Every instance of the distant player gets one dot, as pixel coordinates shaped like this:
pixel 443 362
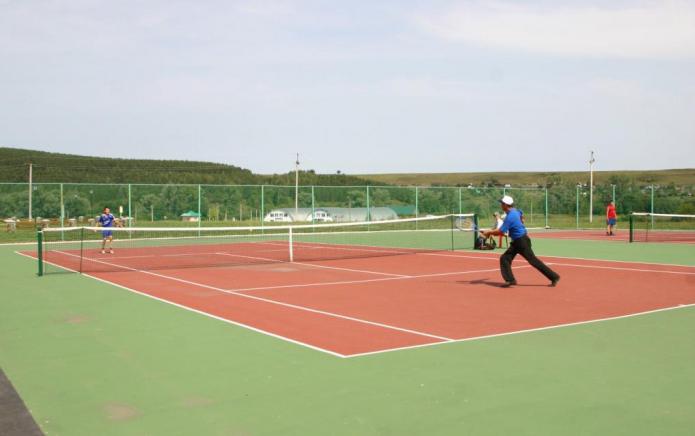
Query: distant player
pixel 611 218
pixel 106 220
pixel 521 244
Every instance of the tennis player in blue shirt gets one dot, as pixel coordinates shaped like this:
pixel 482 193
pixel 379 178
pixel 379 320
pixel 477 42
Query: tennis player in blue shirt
pixel 521 244
pixel 106 220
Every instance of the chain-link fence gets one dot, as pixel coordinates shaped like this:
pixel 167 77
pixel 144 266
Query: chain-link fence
pixel 560 206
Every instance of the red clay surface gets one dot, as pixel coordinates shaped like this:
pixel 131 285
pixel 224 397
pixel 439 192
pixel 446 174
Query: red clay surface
pixel 349 307
pixel 670 236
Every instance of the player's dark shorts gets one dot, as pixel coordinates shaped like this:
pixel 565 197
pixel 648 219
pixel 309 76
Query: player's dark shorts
pixel 106 234
pixel 611 221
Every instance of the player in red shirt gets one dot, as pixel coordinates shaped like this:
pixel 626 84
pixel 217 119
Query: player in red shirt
pixel 611 218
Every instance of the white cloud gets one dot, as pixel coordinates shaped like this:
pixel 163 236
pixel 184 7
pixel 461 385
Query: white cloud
pixel 656 29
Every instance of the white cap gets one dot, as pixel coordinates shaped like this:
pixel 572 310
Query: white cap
pixel 507 200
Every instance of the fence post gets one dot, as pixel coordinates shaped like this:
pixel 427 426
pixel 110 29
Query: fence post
pixel 369 214
pixel 417 213
pixel 62 213
pixel 200 215
pixel 313 206
pixel 130 206
pixel 262 205
pixel 546 208
pixel 460 203
pixel 577 206
pixel 652 208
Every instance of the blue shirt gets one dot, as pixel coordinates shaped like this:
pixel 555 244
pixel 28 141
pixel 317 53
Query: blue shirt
pixel 106 220
pixel 513 225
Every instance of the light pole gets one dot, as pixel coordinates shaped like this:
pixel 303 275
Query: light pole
pixel 591 188
pixel 296 186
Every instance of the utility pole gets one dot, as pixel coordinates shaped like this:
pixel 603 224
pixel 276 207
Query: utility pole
pixel 591 188
pixel 31 187
pixel 296 186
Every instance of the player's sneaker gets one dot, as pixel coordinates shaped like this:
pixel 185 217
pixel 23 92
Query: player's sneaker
pixel 103 251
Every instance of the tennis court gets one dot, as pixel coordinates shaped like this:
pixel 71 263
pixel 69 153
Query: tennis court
pixel 395 329
pixel 365 305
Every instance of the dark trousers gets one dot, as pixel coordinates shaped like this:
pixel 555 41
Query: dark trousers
pixel 522 246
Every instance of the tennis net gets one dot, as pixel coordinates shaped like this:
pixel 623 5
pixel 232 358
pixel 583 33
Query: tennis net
pixel 79 249
pixel 660 227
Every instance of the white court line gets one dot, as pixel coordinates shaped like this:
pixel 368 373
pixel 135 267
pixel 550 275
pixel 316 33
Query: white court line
pixel 147 256
pixel 265 259
pixel 309 285
pixel 353 270
pixel 617 268
pixel 656 265
pixel 551 327
pixel 200 312
pixel 316 266
pixel 323 245
pixel 380 351
pixel 351 282
pixel 279 303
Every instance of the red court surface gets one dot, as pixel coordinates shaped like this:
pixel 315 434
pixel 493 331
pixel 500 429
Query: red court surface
pixel 623 235
pixel 353 307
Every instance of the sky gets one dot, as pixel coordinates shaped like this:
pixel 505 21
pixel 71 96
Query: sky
pixel 393 86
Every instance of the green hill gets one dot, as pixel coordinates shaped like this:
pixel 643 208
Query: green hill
pixel 68 168
pixel 678 177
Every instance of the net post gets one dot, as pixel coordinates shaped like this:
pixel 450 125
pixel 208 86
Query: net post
pixel 289 234
pixel 632 228
pixel 39 253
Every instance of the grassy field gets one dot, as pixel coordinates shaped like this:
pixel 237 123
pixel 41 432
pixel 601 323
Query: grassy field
pixel 89 358
pixel 679 177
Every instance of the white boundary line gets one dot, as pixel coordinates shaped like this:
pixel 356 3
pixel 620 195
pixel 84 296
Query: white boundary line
pixel 313 265
pixel 383 279
pixel 353 270
pixel 551 327
pixel 200 312
pixel 490 256
pixel 442 341
pixel 616 268
pixel 266 300
pixel 345 247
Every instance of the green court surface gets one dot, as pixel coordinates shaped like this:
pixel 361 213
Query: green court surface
pixel 89 358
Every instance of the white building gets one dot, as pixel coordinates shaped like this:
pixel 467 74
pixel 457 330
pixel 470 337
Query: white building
pixel 330 214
